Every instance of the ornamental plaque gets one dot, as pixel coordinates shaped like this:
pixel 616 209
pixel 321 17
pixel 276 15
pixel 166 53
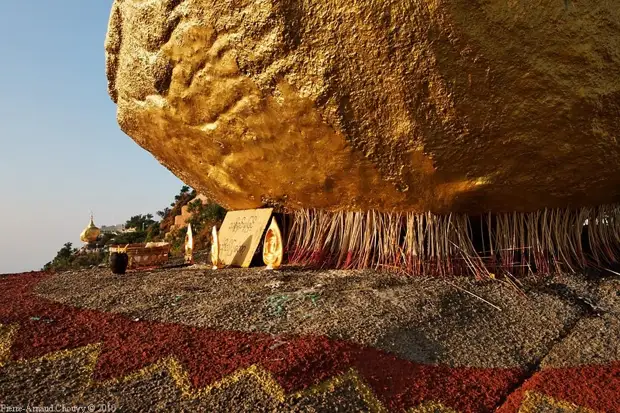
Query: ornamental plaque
pixel 240 235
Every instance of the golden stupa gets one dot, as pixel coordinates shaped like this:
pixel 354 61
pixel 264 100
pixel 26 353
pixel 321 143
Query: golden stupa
pixel 90 233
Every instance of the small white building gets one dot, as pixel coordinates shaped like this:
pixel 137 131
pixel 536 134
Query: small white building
pixel 112 229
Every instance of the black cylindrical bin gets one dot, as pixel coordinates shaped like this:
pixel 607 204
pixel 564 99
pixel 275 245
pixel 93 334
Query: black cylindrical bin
pixel 118 262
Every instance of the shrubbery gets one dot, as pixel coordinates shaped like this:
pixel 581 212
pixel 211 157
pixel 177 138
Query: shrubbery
pixel 128 238
pixel 177 241
pixel 204 217
pixel 68 258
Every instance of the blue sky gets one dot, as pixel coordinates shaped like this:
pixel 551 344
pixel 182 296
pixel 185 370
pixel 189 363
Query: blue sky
pixel 61 150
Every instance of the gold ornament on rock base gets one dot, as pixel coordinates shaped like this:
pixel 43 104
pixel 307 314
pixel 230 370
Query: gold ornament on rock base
pixel 189 245
pixel 272 247
pixel 215 249
pixel 90 233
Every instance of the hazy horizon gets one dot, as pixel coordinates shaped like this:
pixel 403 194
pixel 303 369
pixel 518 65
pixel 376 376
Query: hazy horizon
pixel 62 153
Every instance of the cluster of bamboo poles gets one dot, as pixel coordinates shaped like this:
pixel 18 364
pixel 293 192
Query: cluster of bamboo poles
pixel 562 240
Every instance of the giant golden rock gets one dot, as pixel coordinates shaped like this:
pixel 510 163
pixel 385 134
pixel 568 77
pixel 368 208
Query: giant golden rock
pixel 435 105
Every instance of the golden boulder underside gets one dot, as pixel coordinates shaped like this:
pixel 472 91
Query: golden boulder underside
pixel 436 105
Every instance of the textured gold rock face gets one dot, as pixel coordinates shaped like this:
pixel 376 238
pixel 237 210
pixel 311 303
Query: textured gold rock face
pixel 440 105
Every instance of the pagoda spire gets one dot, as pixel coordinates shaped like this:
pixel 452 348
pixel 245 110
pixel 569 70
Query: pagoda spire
pixel 91 232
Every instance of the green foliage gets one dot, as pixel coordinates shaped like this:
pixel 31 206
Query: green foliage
pixel 140 222
pixel 66 251
pixel 153 232
pixel 205 215
pixel 163 213
pixel 177 242
pixel 67 258
pixel 128 238
pixel 185 191
pixel 104 239
pixel 180 201
pixel 63 258
pixel 89 259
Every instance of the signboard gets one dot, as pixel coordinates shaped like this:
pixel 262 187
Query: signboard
pixel 240 234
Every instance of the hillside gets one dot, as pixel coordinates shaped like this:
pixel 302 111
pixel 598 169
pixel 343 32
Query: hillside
pixel 187 207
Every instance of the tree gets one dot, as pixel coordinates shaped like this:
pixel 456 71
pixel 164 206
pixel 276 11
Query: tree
pixel 66 251
pixel 140 222
pixel 204 214
pixel 177 243
pixel 128 238
pixel 67 258
pixel 185 190
pixel 63 258
pixel 163 213
pixel 104 239
pixel 153 232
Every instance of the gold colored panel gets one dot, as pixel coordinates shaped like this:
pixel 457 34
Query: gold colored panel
pixel 273 250
pixel 189 245
pixel 215 248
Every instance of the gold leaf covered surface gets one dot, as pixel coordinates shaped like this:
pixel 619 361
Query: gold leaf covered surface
pixel 453 105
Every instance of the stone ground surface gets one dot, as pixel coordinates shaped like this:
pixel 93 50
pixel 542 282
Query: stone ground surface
pixel 191 339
